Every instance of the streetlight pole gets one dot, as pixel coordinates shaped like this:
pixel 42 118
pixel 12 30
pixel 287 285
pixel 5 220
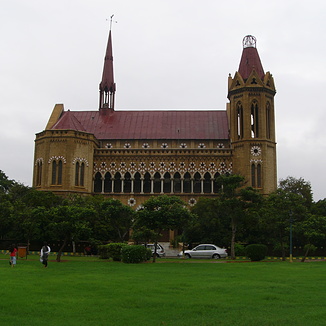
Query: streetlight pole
pixel 291 257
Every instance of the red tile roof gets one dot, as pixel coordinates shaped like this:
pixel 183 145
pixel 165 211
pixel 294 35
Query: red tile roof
pixel 250 60
pixel 148 124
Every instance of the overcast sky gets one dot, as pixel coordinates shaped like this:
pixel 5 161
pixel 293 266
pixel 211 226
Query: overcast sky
pixel 168 54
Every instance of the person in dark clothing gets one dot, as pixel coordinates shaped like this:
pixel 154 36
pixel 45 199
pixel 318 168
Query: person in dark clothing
pixel 44 254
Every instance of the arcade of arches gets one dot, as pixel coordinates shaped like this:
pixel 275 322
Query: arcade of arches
pixel 167 183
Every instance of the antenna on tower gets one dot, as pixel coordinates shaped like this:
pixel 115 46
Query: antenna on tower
pixel 111 21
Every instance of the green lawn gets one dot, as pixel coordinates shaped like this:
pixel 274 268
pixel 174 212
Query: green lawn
pixel 87 291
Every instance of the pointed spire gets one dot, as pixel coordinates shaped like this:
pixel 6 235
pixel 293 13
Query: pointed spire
pixel 250 59
pixel 107 85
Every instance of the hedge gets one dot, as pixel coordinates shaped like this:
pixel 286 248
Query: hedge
pixel 256 252
pixel 135 254
pixel 111 250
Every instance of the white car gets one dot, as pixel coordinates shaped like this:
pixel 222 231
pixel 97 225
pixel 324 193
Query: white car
pixel 159 249
pixel 205 251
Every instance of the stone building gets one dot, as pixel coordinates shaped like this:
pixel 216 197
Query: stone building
pixel 132 155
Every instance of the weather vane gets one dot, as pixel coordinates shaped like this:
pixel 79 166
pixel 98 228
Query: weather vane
pixel 114 21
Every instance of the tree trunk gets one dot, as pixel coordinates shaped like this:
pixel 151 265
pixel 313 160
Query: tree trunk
pixel 60 250
pixel 305 255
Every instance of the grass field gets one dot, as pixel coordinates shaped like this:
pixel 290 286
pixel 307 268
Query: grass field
pixel 87 291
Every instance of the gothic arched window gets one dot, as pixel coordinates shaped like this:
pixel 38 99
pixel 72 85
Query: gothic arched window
pixel 187 183
pixel 268 120
pixel 147 183
pixel 253 175
pixel 39 173
pixel 127 183
pixel 239 120
pixel 137 183
pixel 157 183
pixel 259 181
pixel 98 182
pixel 167 183
pixel 117 182
pixel 107 182
pixel 256 175
pixel 197 183
pixel 77 174
pixel 56 172
pixel 177 183
pixel 207 183
pixel 254 120
pixel 82 174
pixel 216 185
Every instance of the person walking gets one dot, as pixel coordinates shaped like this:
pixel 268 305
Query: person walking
pixel 13 254
pixel 44 254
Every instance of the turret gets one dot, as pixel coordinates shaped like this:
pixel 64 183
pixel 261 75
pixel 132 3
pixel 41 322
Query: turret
pixel 252 122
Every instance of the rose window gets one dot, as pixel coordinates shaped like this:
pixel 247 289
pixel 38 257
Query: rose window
pixel 255 150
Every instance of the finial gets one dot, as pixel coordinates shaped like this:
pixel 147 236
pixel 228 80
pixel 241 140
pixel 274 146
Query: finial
pixel 249 41
pixel 112 21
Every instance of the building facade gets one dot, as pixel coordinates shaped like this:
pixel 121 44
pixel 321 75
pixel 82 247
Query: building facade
pixel 132 155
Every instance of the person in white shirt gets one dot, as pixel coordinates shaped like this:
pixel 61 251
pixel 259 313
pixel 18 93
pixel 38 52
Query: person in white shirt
pixel 44 254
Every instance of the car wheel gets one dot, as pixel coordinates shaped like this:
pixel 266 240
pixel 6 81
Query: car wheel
pixel 216 256
pixel 187 256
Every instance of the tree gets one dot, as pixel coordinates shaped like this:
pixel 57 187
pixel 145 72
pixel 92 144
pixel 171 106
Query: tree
pixel 236 202
pixel 319 208
pixel 282 210
pixel 209 224
pixel 6 220
pixel 68 223
pixel 299 187
pixel 117 218
pixel 313 230
pixel 5 183
pixel 162 213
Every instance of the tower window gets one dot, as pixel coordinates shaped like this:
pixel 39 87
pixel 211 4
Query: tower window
pixel 239 121
pixel 254 120
pixel 268 121
pixel 256 175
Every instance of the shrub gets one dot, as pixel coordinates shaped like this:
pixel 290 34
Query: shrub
pixel 135 254
pixel 111 250
pixel 239 249
pixel 256 252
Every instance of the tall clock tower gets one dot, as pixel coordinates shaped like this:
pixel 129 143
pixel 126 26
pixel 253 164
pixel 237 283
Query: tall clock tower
pixel 252 120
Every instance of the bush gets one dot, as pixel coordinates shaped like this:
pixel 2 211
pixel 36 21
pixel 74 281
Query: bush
pixel 239 249
pixel 111 250
pixel 135 254
pixel 256 252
